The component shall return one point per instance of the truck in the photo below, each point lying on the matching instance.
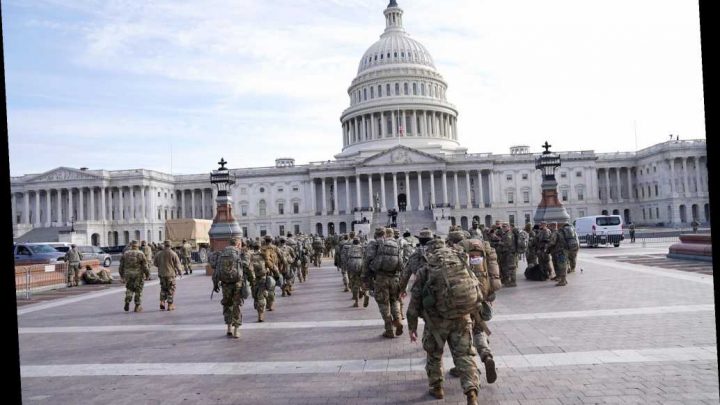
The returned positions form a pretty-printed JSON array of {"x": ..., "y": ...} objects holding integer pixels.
[{"x": 195, "y": 231}]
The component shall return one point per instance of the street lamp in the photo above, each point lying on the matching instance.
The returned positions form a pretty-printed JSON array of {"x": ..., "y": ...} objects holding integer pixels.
[
  {"x": 222, "y": 179},
  {"x": 547, "y": 162}
]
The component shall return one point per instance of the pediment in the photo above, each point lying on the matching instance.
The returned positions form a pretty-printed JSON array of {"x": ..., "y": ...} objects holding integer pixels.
[
  {"x": 401, "y": 155},
  {"x": 64, "y": 174}
]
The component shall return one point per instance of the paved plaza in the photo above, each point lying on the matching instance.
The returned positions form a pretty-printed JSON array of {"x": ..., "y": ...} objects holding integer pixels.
[{"x": 630, "y": 327}]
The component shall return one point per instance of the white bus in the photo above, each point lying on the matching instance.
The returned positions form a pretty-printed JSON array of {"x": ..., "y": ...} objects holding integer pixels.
[{"x": 598, "y": 230}]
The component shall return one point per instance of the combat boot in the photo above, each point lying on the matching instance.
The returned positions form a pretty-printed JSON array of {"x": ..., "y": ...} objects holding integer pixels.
[
  {"x": 561, "y": 281},
  {"x": 471, "y": 397},
  {"x": 261, "y": 316},
  {"x": 454, "y": 372},
  {"x": 437, "y": 392},
  {"x": 366, "y": 300},
  {"x": 171, "y": 307},
  {"x": 398, "y": 327},
  {"x": 289, "y": 291},
  {"x": 346, "y": 289},
  {"x": 162, "y": 305},
  {"x": 284, "y": 294},
  {"x": 235, "y": 332},
  {"x": 490, "y": 371},
  {"x": 356, "y": 304},
  {"x": 388, "y": 333},
  {"x": 127, "y": 306},
  {"x": 138, "y": 308},
  {"x": 229, "y": 330}
]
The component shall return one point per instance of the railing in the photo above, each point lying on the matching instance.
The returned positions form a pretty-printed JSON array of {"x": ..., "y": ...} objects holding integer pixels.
[{"x": 34, "y": 278}]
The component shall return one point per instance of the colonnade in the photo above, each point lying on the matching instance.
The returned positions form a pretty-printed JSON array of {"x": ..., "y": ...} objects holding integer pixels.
[{"x": 388, "y": 124}]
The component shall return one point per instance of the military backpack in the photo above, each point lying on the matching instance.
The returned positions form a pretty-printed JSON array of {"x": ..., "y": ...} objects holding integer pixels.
[
  {"x": 452, "y": 289},
  {"x": 257, "y": 264},
  {"x": 387, "y": 258},
  {"x": 227, "y": 267},
  {"x": 354, "y": 258},
  {"x": 317, "y": 243},
  {"x": 571, "y": 240},
  {"x": 521, "y": 240}
]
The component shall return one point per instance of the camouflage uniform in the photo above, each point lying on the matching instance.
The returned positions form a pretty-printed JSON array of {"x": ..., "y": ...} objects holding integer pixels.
[
  {"x": 531, "y": 254},
  {"x": 558, "y": 250},
  {"x": 73, "y": 258},
  {"x": 353, "y": 264},
  {"x": 147, "y": 251},
  {"x": 507, "y": 257},
  {"x": 264, "y": 278},
  {"x": 317, "y": 246},
  {"x": 133, "y": 270},
  {"x": 288, "y": 260},
  {"x": 386, "y": 284},
  {"x": 457, "y": 333},
  {"x": 273, "y": 262},
  {"x": 344, "y": 246},
  {"x": 89, "y": 276},
  {"x": 572, "y": 253},
  {"x": 186, "y": 256},
  {"x": 232, "y": 298},
  {"x": 542, "y": 239},
  {"x": 168, "y": 264}
]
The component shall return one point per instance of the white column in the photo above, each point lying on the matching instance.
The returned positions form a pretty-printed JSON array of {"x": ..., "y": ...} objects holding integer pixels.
[
  {"x": 393, "y": 125},
  {"x": 132, "y": 203},
  {"x": 91, "y": 204},
  {"x": 373, "y": 124},
  {"x": 415, "y": 133},
  {"x": 395, "y": 191},
  {"x": 313, "y": 202},
  {"x": 698, "y": 182},
  {"x": 336, "y": 209},
  {"x": 421, "y": 197},
  {"x": 48, "y": 211},
  {"x": 71, "y": 211},
  {"x": 59, "y": 205},
  {"x": 481, "y": 200},
  {"x": 617, "y": 182},
  {"x": 382, "y": 192},
  {"x": 444, "y": 185},
  {"x": 357, "y": 191},
  {"x": 182, "y": 204},
  {"x": 324, "y": 198},
  {"x": 26, "y": 208},
  {"x": 672, "y": 177},
  {"x": 81, "y": 205},
  {"x": 629, "y": 183},
  {"x": 685, "y": 177},
  {"x": 347, "y": 195},
  {"x": 432, "y": 188},
  {"x": 213, "y": 204},
  {"x": 36, "y": 220},
  {"x": 103, "y": 206},
  {"x": 607, "y": 185},
  {"x": 202, "y": 203},
  {"x": 408, "y": 205},
  {"x": 370, "y": 192},
  {"x": 457, "y": 192},
  {"x": 363, "y": 133},
  {"x": 382, "y": 125},
  {"x": 491, "y": 187},
  {"x": 469, "y": 192}
]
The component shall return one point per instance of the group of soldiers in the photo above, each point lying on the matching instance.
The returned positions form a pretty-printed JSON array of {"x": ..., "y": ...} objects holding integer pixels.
[
  {"x": 73, "y": 257},
  {"x": 255, "y": 267}
]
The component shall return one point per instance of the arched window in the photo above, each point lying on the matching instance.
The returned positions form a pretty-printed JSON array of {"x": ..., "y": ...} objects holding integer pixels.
[
  {"x": 397, "y": 89},
  {"x": 379, "y": 90},
  {"x": 422, "y": 89},
  {"x": 414, "y": 89},
  {"x": 387, "y": 89},
  {"x": 262, "y": 208},
  {"x": 405, "y": 87}
]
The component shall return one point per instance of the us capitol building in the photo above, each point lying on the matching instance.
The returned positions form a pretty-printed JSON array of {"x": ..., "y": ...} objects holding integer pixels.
[{"x": 401, "y": 151}]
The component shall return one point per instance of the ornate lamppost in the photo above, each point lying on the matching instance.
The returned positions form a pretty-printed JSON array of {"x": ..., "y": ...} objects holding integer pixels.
[
  {"x": 224, "y": 225},
  {"x": 550, "y": 208}
]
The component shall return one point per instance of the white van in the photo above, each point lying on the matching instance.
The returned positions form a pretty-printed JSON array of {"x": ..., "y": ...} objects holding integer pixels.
[{"x": 599, "y": 230}]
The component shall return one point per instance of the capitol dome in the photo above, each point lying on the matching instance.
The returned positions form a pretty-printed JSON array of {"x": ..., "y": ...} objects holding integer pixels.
[{"x": 398, "y": 97}]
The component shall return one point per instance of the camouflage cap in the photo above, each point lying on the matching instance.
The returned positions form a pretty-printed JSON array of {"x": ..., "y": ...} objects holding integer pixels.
[
  {"x": 389, "y": 232},
  {"x": 268, "y": 238},
  {"x": 456, "y": 236},
  {"x": 379, "y": 231},
  {"x": 352, "y": 234},
  {"x": 134, "y": 243},
  {"x": 233, "y": 241},
  {"x": 166, "y": 243}
]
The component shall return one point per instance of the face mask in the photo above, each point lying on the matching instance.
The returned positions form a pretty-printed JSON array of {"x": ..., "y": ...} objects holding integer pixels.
[{"x": 477, "y": 260}]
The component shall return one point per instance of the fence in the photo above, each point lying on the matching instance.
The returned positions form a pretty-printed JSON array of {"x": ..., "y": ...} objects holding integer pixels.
[{"x": 33, "y": 278}]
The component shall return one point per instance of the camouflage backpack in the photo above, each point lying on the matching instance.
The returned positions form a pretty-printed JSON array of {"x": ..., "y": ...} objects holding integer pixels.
[
  {"x": 270, "y": 256},
  {"x": 387, "y": 258},
  {"x": 317, "y": 243},
  {"x": 521, "y": 240},
  {"x": 257, "y": 264},
  {"x": 354, "y": 258},
  {"x": 451, "y": 289},
  {"x": 571, "y": 240},
  {"x": 227, "y": 266}
]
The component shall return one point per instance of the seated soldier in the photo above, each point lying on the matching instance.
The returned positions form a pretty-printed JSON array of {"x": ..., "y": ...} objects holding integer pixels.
[{"x": 103, "y": 276}]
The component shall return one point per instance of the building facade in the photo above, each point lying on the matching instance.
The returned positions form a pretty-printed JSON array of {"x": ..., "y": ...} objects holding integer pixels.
[{"x": 400, "y": 151}]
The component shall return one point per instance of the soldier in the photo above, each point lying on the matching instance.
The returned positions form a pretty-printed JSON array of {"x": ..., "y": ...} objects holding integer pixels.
[
  {"x": 272, "y": 262},
  {"x": 480, "y": 256},
  {"x": 416, "y": 260},
  {"x": 542, "y": 239},
  {"x": 353, "y": 262},
  {"x": 383, "y": 266},
  {"x": 264, "y": 281},
  {"x": 410, "y": 239},
  {"x": 186, "y": 256},
  {"x": 233, "y": 274},
  {"x": 317, "y": 246},
  {"x": 573, "y": 245},
  {"x": 632, "y": 232},
  {"x": 288, "y": 258},
  {"x": 695, "y": 224},
  {"x": 147, "y": 251},
  {"x": 475, "y": 231},
  {"x": 531, "y": 255},
  {"x": 73, "y": 258},
  {"x": 557, "y": 247},
  {"x": 506, "y": 254},
  {"x": 344, "y": 247},
  {"x": 168, "y": 265},
  {"x": 133, "y": 270},
  {"x": 89, "y": 276},
  {"x": 444, "y": 322}
]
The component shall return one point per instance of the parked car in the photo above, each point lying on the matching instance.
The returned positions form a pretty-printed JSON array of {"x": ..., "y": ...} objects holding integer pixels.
[
  {"x": 597, "y": 230},
  {"x": 60, "y": 246},
  {"x": 113, "y": 249},
  {"x": 36, "y": 253},
  {"x": 94, "y": 252}
]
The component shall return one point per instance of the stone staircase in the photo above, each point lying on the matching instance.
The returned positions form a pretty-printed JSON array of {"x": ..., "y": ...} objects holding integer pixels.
[
  {"x": 414, "y": 221},
  {"x": 49, "y": 234}
]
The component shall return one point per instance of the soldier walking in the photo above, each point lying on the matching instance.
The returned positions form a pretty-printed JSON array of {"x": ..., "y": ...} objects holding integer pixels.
[
  {"x": 506, "y": 255},
  {"x": 168, "y": 265},
  {"x": 235, "y": 277},
  {"x": 133, "y": 271},
  {"x": 186, "y": 256},
  {"x": 447, "y": 316},
  {"x": 354, "y": 263},
  {"x": 383, "y": 266}
]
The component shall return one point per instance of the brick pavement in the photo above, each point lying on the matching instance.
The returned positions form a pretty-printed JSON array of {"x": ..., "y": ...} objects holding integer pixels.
[{"x": 618, "y": 333}]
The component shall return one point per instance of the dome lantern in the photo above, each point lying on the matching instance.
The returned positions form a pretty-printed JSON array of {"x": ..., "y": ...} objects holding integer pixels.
[{"x": 393, "y": 18}]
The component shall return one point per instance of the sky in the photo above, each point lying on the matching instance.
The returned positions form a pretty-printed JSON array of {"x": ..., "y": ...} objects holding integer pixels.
[{"x": 173, "y": 85}]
